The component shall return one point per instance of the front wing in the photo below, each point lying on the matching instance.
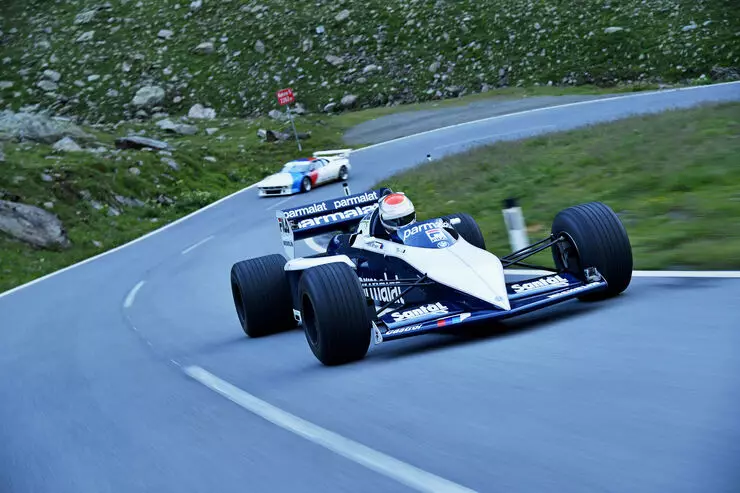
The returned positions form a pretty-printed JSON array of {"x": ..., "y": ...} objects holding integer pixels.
[{"x": 525, "y": 296}]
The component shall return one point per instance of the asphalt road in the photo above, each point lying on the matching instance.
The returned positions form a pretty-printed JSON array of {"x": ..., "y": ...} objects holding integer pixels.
[{"x": 636, "y": 394}]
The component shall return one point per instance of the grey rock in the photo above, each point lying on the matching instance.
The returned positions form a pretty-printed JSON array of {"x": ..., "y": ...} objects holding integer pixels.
[
  {"x": 349, "y": 101},
  {"x": 613, "y": 29},
  {"x": 2, "y": 153},
  {"x": 47, "y": 85},
  {"x": 204, "y": 48},
  {"x": 178, "y": 128},
  {"x": 84, "y": 37},
  {"x": 259, "y": 46},
  {"x": 37, "y": 127},
  {"x": 211, "y": 130},
  {"x": 52, "y": 75},
  {"x": 148, "y": 96},
  {"x": 278, "y": 115},
  {"x": 330, "y": 107},
  {"x": 334, "y": 60},
  {"x": 47, "y": 177},
  {"x": 165, "y": 34},
  {"x": 434, "y": 67},
  {"x": 171, "y": 163},
  {"x": 198, "y": 111},
  {"x": 196, "y": 5},
  {"x": 32, "y": 225},
  {"x": 138, "y": 142},
  {"x": 134, "y": 171},
  {"x": 370, "y": 68},
  {"x": 67, "y": 145},
  {"x": 5, "y": 84},
  {"x": 342, "y": 16}
]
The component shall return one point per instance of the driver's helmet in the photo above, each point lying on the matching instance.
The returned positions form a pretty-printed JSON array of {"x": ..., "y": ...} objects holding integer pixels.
[{"x": 396, "y": 210}]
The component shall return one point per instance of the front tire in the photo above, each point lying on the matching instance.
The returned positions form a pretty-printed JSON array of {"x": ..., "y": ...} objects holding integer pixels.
[
  {"x": 335, "y": 317},
  {"x": 595, "y": 238},
  {"x": 468, "y": 229},
  {"x": 343, "y": 174},
  {"x": 306, "y": 184},
  {"x": 262, "y": 297}
]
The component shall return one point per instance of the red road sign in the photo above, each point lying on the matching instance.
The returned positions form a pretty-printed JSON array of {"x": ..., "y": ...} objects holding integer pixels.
[{"x": 285, "y": 96}]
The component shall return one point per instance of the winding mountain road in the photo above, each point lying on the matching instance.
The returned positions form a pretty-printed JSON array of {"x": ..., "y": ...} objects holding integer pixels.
[{"x": 129, "y": 372}]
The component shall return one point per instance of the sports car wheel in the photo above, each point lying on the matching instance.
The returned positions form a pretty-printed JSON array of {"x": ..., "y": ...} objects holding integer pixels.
[
  {"x": 595, "y": 238},
  {"x": 262, "y": 295},
  {"x": 334, "y": 312},
  {"x": 306, "y": 184},
  {"x": 343, "y": 173},
  {"x": 468, "y": 229}
]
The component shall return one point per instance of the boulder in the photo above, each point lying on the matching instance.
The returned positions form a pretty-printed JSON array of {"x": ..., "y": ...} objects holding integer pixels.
[{"x": 32, "y": 225}]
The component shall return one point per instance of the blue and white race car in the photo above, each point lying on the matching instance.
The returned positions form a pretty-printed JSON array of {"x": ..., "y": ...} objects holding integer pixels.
[
  {"x": 430, "y": 275},
  {"x": 303, "y": 174}
]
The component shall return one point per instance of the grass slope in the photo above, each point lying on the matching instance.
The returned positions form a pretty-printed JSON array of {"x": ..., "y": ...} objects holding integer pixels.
[
  {"x": 673, "y": 178},
  {"x": 383, "y": 51}
]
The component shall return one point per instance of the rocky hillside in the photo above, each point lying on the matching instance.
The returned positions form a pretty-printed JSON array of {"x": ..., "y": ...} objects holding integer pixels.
[{"x": 118, "y": 59}]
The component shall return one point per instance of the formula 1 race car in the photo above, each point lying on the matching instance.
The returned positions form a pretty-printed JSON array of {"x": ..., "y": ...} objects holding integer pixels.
[
  {"x": 301, "y": 175},
  {"x": 437, "y": 274}
]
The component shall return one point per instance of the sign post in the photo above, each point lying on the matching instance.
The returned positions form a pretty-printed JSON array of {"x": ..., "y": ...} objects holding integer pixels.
[{"x": 285, "y": 97}]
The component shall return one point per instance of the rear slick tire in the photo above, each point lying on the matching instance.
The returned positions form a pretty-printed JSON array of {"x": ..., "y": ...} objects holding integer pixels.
[
  {"x": 262, "y": 297},
  {"x": 334, "y": 311},
  {"x": 596, "y": 238}
]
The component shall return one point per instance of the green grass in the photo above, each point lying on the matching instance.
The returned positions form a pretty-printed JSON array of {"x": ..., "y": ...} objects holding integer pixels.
[
  {"x": 673, "y": 179},
  {"x": 495, "y": 43},
  {"x": 83, "y": 180}
]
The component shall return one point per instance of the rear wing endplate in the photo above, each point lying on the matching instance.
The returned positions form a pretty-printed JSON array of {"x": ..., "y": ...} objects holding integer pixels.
[{"x": 326, "y": 216}]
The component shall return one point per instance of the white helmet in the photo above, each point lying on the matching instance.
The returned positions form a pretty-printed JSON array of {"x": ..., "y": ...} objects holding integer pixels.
[{"x": 396, "y": 211}]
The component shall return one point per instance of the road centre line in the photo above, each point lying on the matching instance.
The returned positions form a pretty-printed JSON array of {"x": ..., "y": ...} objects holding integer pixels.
[
  {"x": 131, "y": 297},
  {"x": 196, "y": 245},
  {"x": 362, "y": 149},
  {"x": 388, "y": 466}
]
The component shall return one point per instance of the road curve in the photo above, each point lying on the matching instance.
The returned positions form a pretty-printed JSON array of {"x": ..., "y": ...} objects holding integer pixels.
[{"x": 636, "y": 394}]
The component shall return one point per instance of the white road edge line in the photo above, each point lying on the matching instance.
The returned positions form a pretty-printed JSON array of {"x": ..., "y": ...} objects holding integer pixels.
[
  {"x": 131, "y": 296},
  {"x": 720, "y": 274},
  {"x": 402, "y": 472},
  {"x": 196, "y": 245},
  {"x": 228, "y": 197}
]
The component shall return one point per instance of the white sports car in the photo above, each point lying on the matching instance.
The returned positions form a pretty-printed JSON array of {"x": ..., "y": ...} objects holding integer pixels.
[{"x": 301, "y": 175}]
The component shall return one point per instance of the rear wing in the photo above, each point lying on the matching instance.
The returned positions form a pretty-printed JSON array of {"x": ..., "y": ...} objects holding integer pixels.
[
  {"x": 326, "y": 216},
  {"x": 334, "y": 153}
]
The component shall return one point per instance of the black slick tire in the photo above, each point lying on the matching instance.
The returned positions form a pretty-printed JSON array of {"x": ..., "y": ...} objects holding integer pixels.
[
  {"x": 596, "y": 238},
  {"x": 336, "y": 321},
  {"x": 343, "y": 173},
  {"x": 306, "y": 184},
  {"x": 468, "y": 229},
  {"x": 262, "y": 295}
]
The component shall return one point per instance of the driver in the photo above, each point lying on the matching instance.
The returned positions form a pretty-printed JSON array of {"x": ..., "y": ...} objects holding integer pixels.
[{"x": 395, "y": 211}]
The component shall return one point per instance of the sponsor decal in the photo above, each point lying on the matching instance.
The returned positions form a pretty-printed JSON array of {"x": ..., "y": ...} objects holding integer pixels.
[
  {"x": 365, "y": 197},
  {"x": 303, "y": 211},
  {"x": 436, "y": 235},
  {"x": 337, "y": 216},
  {"x": 430, "y": 309},
  {"x": 410, "y": 328},
  {"x": 442, "y": 244},
  {"x": 416, "y": 229},
  {"x": 452, "y": 320},
  {"x": 288, "y": 243},
  {"x": 569, "y": 291},
  {"x": 382, "y": 294},
  {"x": 375, "y": 244},
  {"x": 545, "y": 282}
]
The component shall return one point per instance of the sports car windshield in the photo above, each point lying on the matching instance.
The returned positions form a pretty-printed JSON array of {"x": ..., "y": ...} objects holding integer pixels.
[{"x": 296, "y": 167}]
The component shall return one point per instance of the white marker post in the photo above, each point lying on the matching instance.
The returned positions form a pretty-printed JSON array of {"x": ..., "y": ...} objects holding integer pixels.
[
  {"x": 346, "y": 189},
  {"x": 285, "y": 97},
  {"x": 514, "y": 220}
]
